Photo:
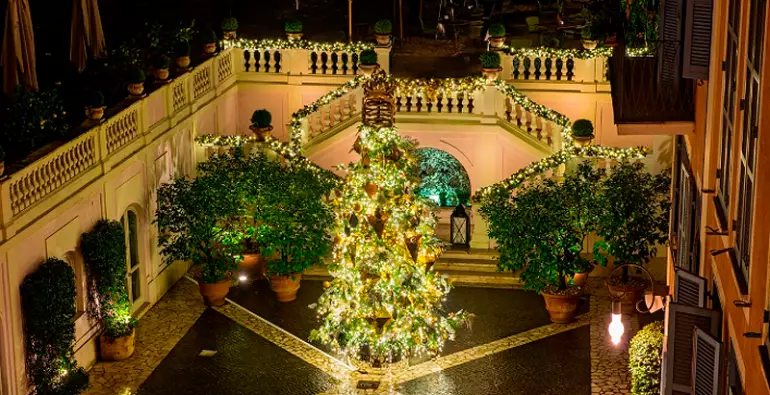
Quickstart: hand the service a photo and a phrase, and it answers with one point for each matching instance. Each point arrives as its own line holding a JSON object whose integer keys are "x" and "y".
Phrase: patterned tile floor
{"x": 512, "y": 349}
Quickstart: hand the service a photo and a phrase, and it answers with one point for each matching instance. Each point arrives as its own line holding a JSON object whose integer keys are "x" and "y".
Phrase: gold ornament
{"x": 370, "y": 188}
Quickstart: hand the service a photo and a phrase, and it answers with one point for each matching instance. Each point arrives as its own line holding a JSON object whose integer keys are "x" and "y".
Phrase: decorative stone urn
{"x": 491, "y": 74}
{"x": 183, "y": 62}
{"x": 209, "y": 48}
{"x": 367, "y": 69}
{"x": 496, "y": 42}
{"x": 136, "y": 89}
{"x": 95, "y": 113}
{"x": 590, "y": 44}
{"x": 229, "y": 34}
{"x": 383, "y": 40}
{"x": 262, "y": 132}
{"x": 161, "y": 74}
{"x": 582, "y": 141}
{"x": 294, "y": 36}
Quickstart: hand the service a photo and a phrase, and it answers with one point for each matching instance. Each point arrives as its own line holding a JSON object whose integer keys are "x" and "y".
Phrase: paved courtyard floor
{"x": 261, "y": 348}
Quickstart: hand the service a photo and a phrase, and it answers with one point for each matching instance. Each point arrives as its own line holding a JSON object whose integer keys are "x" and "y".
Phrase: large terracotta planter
{"x": 116, "y": 349}
{"x": 367, "y": 69}
{"x": 253, "y": 264}
{"x": 629, "y": 293}
{"x": 182, "y": 62}
{"x": 496, "y": 42}
{"x": 285, "y": 287}
{"x": 136, "y": 89}
{"x": 95, "y": 113}
{"x": 582, "y": 141}
{"x": 561, "y": 308}
{"x": 209, "y": 48}
{"x": 261, "y": 132}
{"x": 294, "y": 36}
{"x": 490, "y": 74}
{"x": 580, "y": 279}
{"x": 383, "y": 40}
{"x": 214, "y": 294}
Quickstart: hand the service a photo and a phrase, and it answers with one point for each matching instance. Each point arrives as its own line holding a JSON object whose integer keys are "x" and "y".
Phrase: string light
{"x": 539, "y": 52}
{"x": 280, "y": 44}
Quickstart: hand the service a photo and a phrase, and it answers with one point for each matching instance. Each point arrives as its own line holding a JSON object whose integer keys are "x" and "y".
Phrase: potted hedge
{"x": 293, "y": 29}
{"x": 582, "y": 132}
{"x": 490, "y": 65}
{"x": 135, "y": 81}
{"x": 160, "y": 66}
{"x": 104, "y": 253}
{"x": 182, "y": 55}
{"x": 588, "y": 38}
{"x": 541, "y": 232}
{"x": 367, "y": 62}
{"x": 209, "y": 39}
{"x": 382, "y": 31}
{"x": 496, "y": 35}
{"x": 48, "y": 305}
{"x": 229, "y": 28}
{"x": 94, "y": 102}
{"x": 645, "y": 354}
{"x": 632, "y": 222}
{"x": 261, "y": 124}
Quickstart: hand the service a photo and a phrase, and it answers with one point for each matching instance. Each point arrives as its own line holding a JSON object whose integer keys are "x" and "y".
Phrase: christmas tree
{"x": 385, "y": 302}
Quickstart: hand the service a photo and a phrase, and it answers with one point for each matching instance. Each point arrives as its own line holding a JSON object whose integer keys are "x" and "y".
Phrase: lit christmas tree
{"x": 384, "y": 303}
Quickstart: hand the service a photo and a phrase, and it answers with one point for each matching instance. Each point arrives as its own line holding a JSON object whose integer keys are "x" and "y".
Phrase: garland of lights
{"x": 539, "y": 52}
{"x": 280, "y": 44}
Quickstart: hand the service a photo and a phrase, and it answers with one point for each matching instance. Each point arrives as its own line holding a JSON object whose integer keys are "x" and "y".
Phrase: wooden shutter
{"x": 705, "y": 366}
{"x": 681, "y": 321}
{"x": 689, "y": 289}
{"x": 669, "y": 51}
{"x": 697, "y": 39}
{"x": 684, "y": 225}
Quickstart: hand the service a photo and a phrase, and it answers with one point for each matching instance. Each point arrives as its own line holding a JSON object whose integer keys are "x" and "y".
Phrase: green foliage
{"x": 496, "y": 30}
{"x": 641, "y": 27}
{"x": 33, "y": 119}
{"x": 48, "y": 304}
{"x": 368, "y": 57}
{"x": 293, "y": 26}
{"x": 208, "y": 36}
{"x": 587, "y": 32}
{"x": 383, "y": 26}
{"x": 442, "y": 175}
{"x": 543, "y": 228}
{"x": 634, "y": 216}
{"x": 490, "y": 60}
{"x": 94, "y": 99}
{"x": 104, "y": 253}
{"x": 229, "y": 24}
{"x": 181, "y": 48}
{"x": 644, "y": 359}
{"x": 135, "y": 75}
{"x": 606, "y": 18}
{"x": 161, "y": 62}
{"x": 261, "y": 118}
{"x": 583, "y": 128}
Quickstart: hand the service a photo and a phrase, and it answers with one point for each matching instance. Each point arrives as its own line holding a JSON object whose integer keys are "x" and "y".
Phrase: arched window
{"x": 443, "y": 178}
{"x": 134, "y": 277}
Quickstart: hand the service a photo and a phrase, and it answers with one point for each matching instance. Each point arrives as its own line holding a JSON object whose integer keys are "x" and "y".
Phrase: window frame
{"x": 133, "y": 255}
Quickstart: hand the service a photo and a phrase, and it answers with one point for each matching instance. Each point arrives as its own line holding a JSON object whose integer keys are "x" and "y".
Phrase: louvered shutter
{"x": 684, "y": 225}
{"x": 689, "y": 289}
{"x": 681, "y": 321}
{"x": 697, "y": 39}
{"x": 705, "y": 366}
{"x": 669, "y": 51}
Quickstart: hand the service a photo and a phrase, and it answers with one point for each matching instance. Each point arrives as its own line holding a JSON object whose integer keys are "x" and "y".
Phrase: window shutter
{"x": 697, "y": 39}
{"x": 689, "y": 289}
{"x": 670, "y": 54}
{"x": 684, "y": 231}
{"x": 705, "y": 367}
{"x": 681, "y": 321}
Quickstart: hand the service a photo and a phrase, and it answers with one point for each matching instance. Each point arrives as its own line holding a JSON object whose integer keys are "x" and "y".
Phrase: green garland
{"x": 279, "y": 44}
{"x": 537, "y": 52}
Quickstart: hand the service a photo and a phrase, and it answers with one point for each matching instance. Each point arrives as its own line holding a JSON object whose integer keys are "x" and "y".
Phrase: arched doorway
{"x": 443, "y": 178}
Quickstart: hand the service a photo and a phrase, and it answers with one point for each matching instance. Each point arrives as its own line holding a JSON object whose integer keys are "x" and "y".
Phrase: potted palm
{"x": 382, "y": 30}
{"x": 104, "y": 253}
{"x": 229, "y": 28}
{"x": 496, "y": 35}
{"x": 582, "y": 132}
{"x": 293, "y": 29}
{"x": 490, "y": 65}
{"x": 135, "y": 81}
{"x": 182, "y": 55}
{"x": 160, "y": 67}
{"x": 632, "y": 222}
{"x": 209, "y": 39}
{"x": 94, "y": 105}
{"x": 261, "y": 124}
{"x": 367, "y": 62}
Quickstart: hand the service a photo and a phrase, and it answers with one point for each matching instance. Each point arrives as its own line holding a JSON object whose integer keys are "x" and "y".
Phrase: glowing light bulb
{"x": 616, "y": 329}
{"x": 242, "y": 278}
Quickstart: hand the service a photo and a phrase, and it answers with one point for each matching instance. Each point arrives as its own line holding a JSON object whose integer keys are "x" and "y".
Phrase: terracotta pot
{"x": 262, "y": 133}
{"x": 580, "y": 279}
{"x": 183, "y": 62}
{"x": 367, "y": 69}
{"x": 161, "y": 74}
{"x": 116, "y": 349}
{"x": 285, "y": 287}
{"x": 590, "y": 44}
{"x": 582, "y": 141}
{"x": 253, "y": 264}
{"x": 214, "y": 294}
{"x": 496, "y": 42}
{"x": 229, "y": 34}
{"x": 629, "y": 295}
{"x": 95, "y": 113}
{"x": 561, "y": 308}
{"x": 491, "y": 74}
{"x": 383, "y": 40}
{"x": 209, "y": 48}
{"x": 294, "y": 36}
{"x": 136, "y": 89}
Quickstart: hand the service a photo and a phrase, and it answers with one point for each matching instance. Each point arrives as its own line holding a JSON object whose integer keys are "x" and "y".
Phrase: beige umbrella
{"x": 86, "y": 32}
{"x": 18, "y": 58}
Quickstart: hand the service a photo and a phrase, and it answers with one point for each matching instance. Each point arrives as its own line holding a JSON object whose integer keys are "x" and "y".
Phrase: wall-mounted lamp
{"x": 654, "y": 300}
{"x": 616, "y": 328}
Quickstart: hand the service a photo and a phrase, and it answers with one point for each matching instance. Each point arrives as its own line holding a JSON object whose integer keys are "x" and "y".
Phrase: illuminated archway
{"x": 444, "y": 179}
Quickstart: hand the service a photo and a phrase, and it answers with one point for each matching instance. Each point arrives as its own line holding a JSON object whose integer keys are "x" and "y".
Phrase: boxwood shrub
{"x": 644, "y": 357}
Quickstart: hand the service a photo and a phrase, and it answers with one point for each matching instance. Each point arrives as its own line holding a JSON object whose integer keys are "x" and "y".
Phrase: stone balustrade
{"x": 460, "y": 102}
{"x": 331, "y": 115}
{"x": 306, "y": 61}
{"x": 555, "y": 67}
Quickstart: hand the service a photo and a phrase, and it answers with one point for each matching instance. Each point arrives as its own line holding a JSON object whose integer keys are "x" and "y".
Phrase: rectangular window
{"x": 685, "y": 216}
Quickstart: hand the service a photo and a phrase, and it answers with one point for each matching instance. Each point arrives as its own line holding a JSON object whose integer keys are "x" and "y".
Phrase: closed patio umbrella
{"x": 18, "y": 58}
{"x": 86, "y": 32}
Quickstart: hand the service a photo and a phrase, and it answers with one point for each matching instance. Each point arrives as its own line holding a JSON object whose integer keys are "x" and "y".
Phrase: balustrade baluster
{"x": 548, "y": 66}
{"x": 559, "y": 68}
{"x": 570, "y": 69}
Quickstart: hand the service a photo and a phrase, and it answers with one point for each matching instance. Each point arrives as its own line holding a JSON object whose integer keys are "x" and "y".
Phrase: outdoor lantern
{"x": 616, "y": 328}
{"x": 460, "y": 226}
{"x": 653, "y": 300}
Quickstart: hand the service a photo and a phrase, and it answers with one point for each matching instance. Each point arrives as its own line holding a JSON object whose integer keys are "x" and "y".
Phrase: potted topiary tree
{"x": 182, "y": 55}
{"x": 135, "y": 81}
{"x": 104, "y": 253}
{"x": 582, "y": 132}
{"x": 382, "y": 30}
{"x": 94, "y": 102}
{"x": 209, "y": 39}
{"x": 588, "y": 37}
{"x": 261, "y": 124}
{"x": 645, "y": 354}
{"x": 496, "y": 35}
{"x": 160, "y": 67}
{"x": 229, "y": 28}
{"x": 490, "y": 65}
{"x": 367, "y": 62}
{"x": 541, "y": 232}
{"x": 293, "y": 29}
{"x": 632, "y": 222}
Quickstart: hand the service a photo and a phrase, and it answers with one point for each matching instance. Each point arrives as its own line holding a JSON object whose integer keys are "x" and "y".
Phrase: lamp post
{"x": 653, "y": 301}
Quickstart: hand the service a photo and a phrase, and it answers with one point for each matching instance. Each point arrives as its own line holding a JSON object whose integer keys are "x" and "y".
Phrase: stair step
{"x": 468, "y": 278}
{"x": 466, "y": 265}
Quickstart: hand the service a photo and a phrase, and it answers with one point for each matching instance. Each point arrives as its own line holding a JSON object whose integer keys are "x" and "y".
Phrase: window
{"x": 685, "y": 214}
{"x": 133, "y": 269}
{"x": 80, "y": 282}
{"x": 734, "y": 384}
